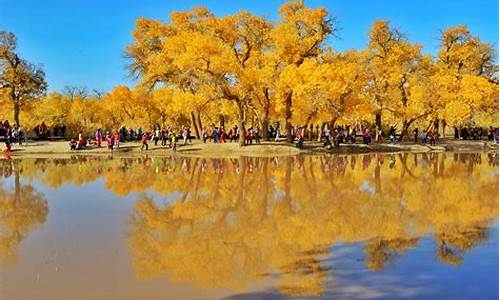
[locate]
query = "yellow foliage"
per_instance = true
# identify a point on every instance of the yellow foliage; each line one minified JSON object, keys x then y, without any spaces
{"x":198,"y":68}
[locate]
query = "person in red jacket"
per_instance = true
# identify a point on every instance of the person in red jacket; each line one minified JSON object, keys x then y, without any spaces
{"x":144,"y":140}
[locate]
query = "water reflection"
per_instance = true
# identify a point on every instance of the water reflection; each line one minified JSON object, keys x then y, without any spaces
{"x":235,"y":223}
{"x":21,"y":208}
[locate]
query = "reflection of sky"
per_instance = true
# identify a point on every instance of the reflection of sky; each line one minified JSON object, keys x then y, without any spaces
{"x":366,"y":187}
{"x":163,"y":200}
{"x":415,"y":275}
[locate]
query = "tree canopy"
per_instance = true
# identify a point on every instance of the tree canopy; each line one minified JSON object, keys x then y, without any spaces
{"x":197,"y":69}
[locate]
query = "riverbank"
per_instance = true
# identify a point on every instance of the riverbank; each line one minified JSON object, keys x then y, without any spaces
{"x":197,"y":148}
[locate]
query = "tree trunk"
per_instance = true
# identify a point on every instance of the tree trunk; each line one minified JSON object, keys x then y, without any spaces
{"x":241,"y":125}
{"x":333,"y":123}
{"x":265,"y":128}
{"x":378,"y":120}
{"x":428,"y":126}
{"x":198,"y":119}
{"x":196,"y":130}
{"x":443,"y":124}
{"x":16,"y":113}
{"x":320,"y":131}
{"x":221,"y":121}
{"x":265,"y":117}
{"x":162,"y":117}
{"x":288,"y":117}
{"x":404,"y":132}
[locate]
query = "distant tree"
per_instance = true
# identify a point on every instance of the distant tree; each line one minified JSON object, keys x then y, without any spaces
{"x":76,"y":92}
{"x":97,"y":93}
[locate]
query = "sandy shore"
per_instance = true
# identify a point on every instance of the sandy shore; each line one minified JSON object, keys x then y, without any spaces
{"x":197,"y":148}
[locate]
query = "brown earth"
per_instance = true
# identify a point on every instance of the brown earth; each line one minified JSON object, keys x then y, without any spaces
{"x":197,"y":148}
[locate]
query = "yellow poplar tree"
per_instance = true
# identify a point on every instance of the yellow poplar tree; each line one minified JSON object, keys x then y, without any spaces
{"x":21,"y":82}
{"x":299,"y":34}
{"x":467,"y":77}
{"x":197,"y":49}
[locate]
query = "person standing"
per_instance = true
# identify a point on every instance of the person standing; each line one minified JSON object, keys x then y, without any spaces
{"x":16,"y":134}
{"x":222,"y":135}
{"x":353,"y":135}
{"x":111,"y":141}
{"x":130,"y":135}
{"x":117,"y":139}
{"x":490,"y":134}
{"x":423,"y":137}
{"x":156,"y":135}
{"x":144,"y":140}
{"x":173,"y":140}
{"x":431,"y":137}
{"x":415,"y":134}
{"x":20,"y":135}
{"x":257,"y":135}
{"x":204,"y":134}
{"x":270,"y":132}
{"x":392,"y":135}
{"x":326,"y":134}
{"x":98,"y":137}
{"x":379,"y":135}
{"x":80,"y":137}
{"x":164,"y":137}
{"x":188,"y":129}
{"x":367,"y":137}
{"x":248,"y":136}
{"x":299,"y":138}
{"x":8,"y":135}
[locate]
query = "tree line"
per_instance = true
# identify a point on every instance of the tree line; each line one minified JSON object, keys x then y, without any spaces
{"x":200,"y":69}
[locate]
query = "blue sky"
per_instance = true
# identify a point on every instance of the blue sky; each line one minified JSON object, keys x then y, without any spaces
{"x":81,"y":42}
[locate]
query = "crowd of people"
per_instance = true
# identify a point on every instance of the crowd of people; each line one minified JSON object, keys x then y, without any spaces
{"x":14,"y":134}
{"x":167,"y":136}
{"x":475,"y":133}
{"x":170,"y":136}
{"x":11,"y":133}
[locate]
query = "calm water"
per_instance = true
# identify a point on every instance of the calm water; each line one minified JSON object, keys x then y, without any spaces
{"x":405,"y":226}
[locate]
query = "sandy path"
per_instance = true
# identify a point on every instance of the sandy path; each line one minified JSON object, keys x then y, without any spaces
{"x":197,"y":148}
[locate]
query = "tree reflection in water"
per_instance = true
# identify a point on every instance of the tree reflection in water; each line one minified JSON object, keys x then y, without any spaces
{"x":271,"y":216}
{"x":234,"y":223}
{"x":21,"y":208}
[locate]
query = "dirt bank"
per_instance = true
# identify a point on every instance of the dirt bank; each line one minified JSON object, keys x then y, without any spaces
{"x":61,"y":149}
